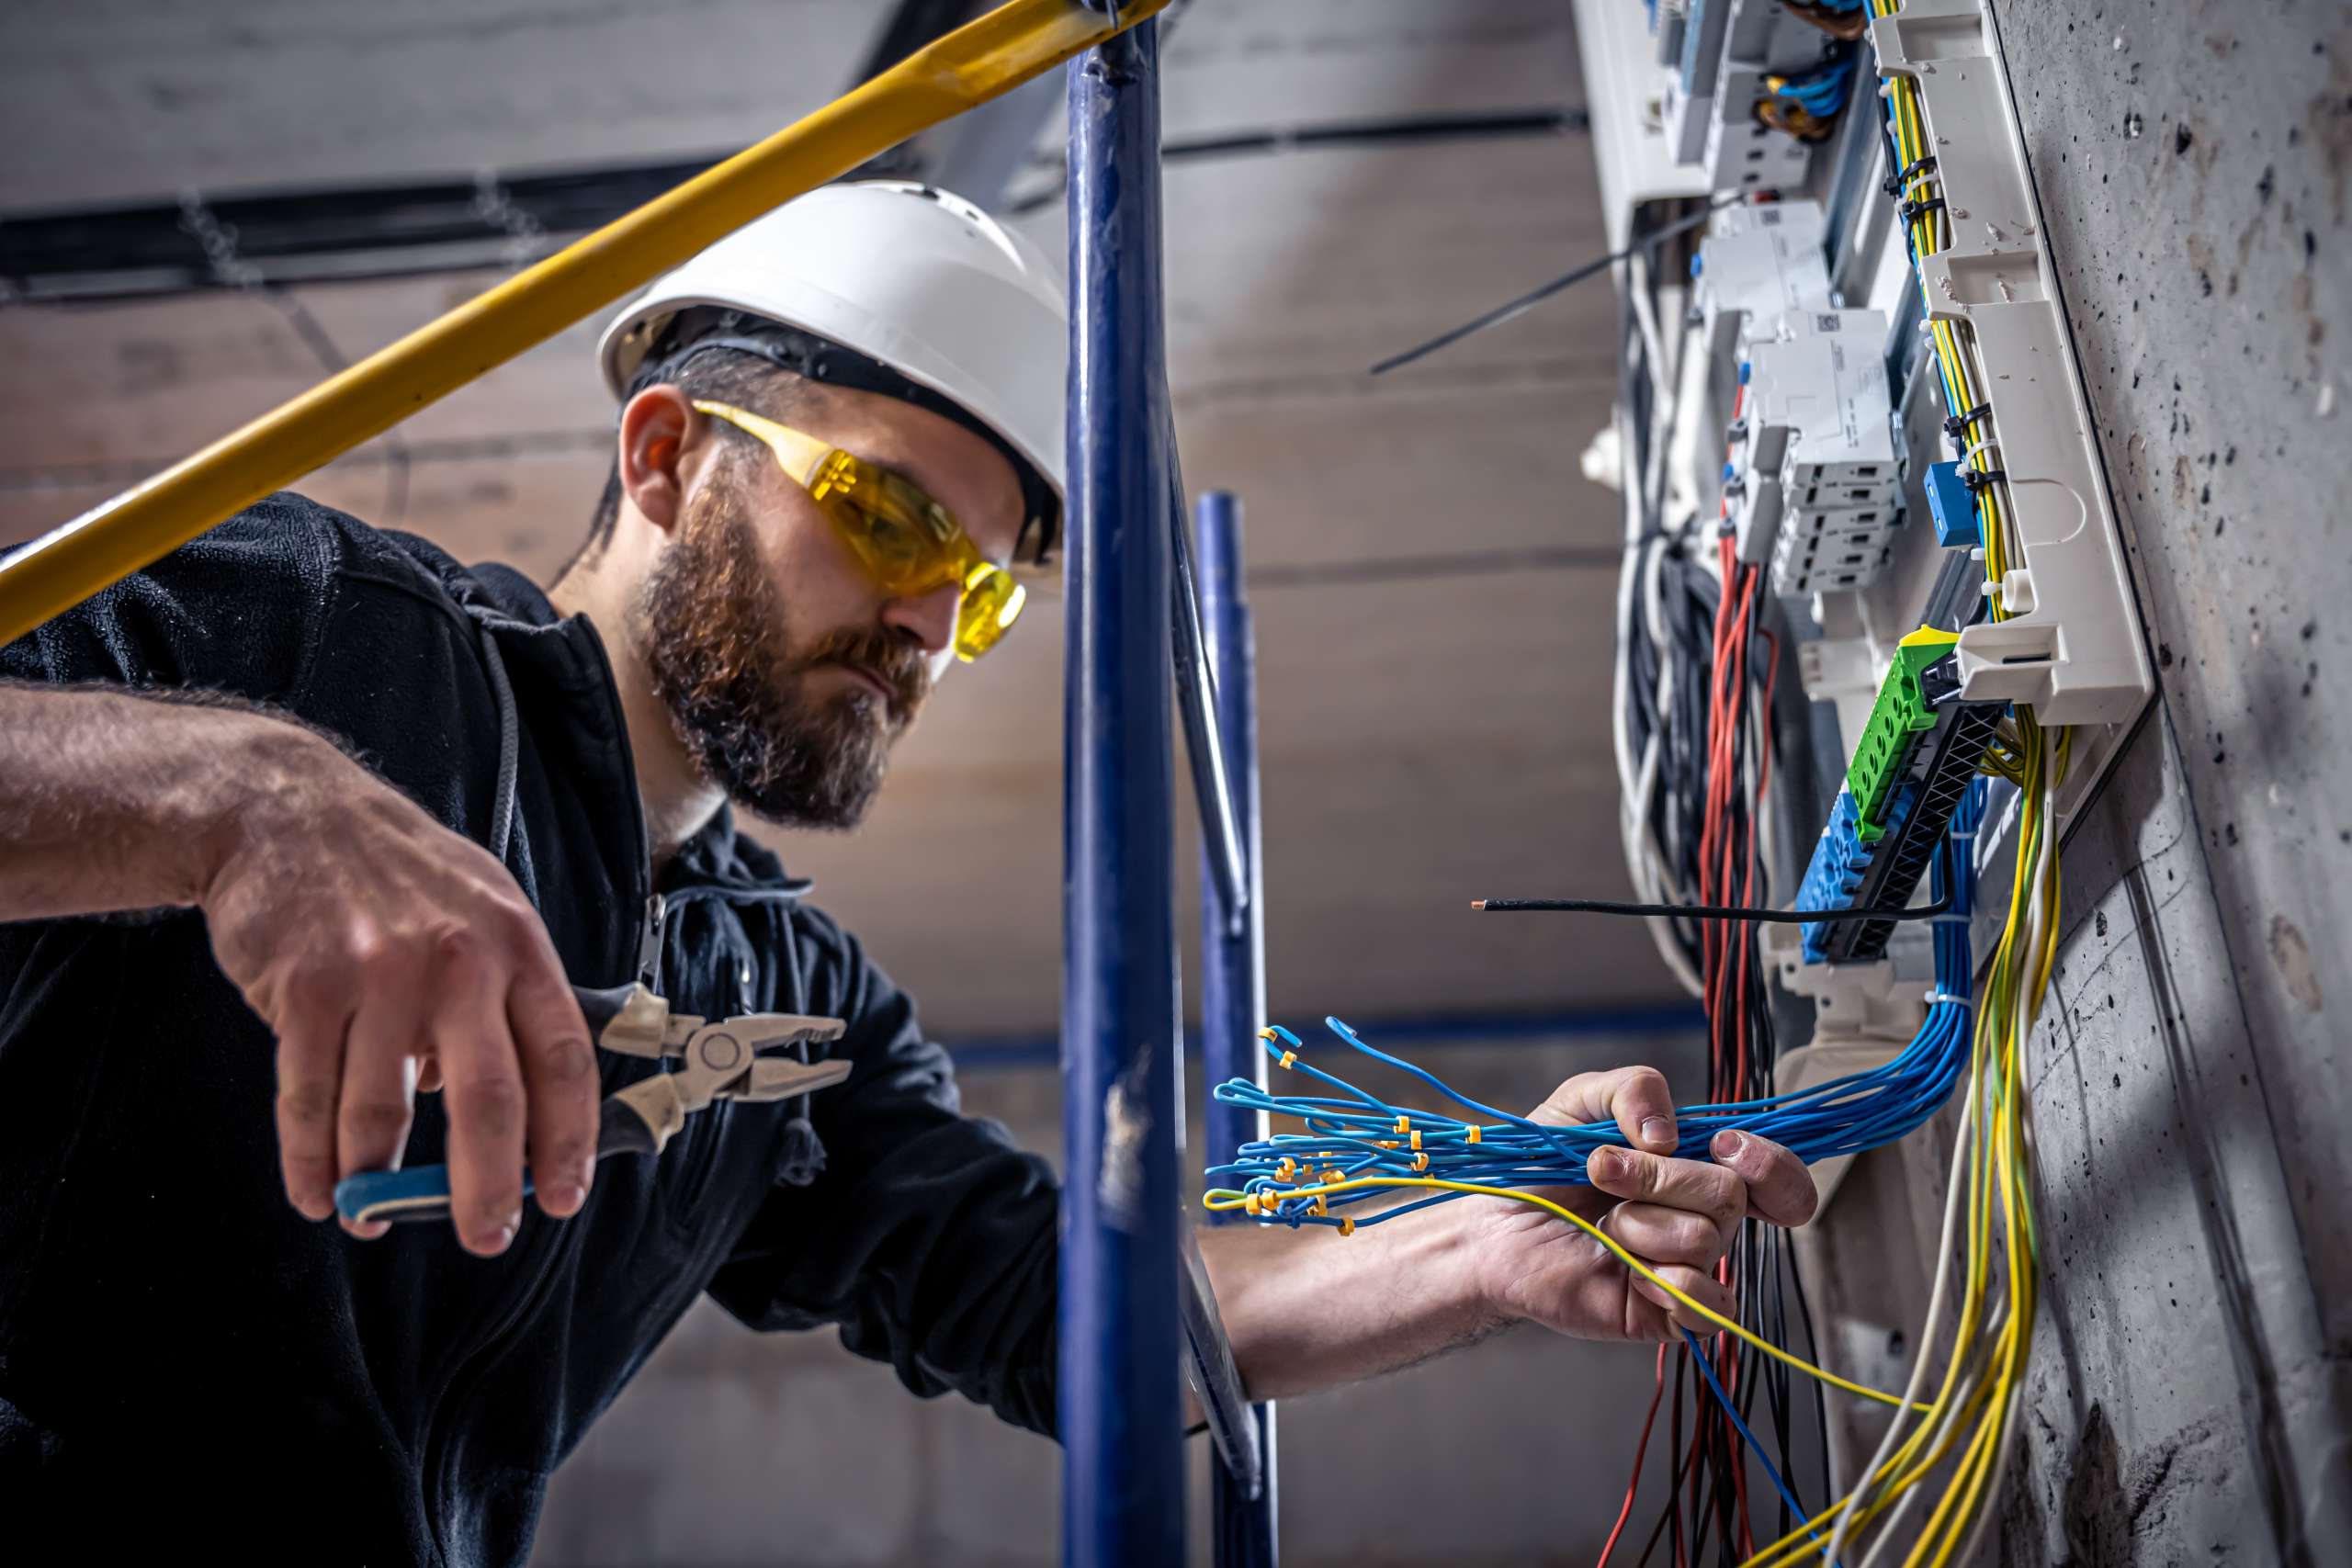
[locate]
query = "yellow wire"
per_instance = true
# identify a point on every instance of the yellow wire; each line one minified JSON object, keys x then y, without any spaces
{"x":1226,"y":1199}
{"x":1995,"y":1161}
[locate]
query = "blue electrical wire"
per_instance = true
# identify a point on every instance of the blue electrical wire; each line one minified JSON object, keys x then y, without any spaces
{"x":1351,"y":1134}
{"x":1823,"y":92}
{"x":1700,"y":1356}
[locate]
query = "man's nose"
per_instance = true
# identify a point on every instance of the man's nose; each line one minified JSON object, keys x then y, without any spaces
{"x":930,"y":618}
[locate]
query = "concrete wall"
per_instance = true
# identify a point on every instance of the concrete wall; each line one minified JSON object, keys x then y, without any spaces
{"x":733,"y":1447}
{"x":2188,"y":1399}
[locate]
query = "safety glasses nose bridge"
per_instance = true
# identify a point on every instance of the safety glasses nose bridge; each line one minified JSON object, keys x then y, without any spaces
{"x":907,"y":543}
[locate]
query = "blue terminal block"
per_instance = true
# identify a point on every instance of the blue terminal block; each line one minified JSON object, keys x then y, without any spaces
{"x":1840,"y":862}
{"x":1953,"y":506}
{"x":1835,"y":874}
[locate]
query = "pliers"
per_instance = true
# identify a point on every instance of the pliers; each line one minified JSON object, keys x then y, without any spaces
{"x":721,"y":1061}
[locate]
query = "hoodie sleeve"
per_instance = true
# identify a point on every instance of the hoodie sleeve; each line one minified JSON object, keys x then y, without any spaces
{"x":928,"y":1237}
{"x":239,"y":610}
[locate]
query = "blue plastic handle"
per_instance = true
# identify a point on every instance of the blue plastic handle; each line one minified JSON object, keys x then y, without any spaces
{"x":420,"y":1193}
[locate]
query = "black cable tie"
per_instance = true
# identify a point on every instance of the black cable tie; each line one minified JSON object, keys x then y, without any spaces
{"x":1911,"y":209}
{"x":1892,"y":185}
{"x":1976,"y":480}
{"x":1957,"y":423}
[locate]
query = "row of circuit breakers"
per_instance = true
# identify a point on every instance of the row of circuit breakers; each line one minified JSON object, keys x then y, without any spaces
{"x":1811,"y":479}
{"x":1750,"y":88}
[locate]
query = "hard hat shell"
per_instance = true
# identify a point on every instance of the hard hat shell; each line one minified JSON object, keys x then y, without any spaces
{"x":914,"y":279}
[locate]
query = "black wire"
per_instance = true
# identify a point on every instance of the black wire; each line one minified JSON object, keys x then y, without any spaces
{"x":1535,"y":296}
{"x":1813,"y":1354}
{"x":1708,"y":911}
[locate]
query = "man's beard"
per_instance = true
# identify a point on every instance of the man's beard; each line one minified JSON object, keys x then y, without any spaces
{"x":719,"y":648}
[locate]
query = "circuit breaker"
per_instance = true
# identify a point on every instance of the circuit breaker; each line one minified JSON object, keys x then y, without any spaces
{"x":1757,"y":264}
{"x":1728,"y":54}
{"x":1819,"y":433}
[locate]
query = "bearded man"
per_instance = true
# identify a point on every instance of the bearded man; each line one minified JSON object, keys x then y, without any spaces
{"x":311,"y":831}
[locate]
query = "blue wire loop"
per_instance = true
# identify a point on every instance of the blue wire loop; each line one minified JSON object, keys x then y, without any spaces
{"x":1362,"y":1136}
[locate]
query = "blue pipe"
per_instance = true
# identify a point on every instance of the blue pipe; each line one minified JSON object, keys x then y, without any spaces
{"x":1223,"y":859}
{"x":1233,"y":964}
{"x":1120,"y":1408}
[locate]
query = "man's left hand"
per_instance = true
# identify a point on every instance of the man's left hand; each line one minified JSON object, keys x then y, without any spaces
{"x":1678,"y":1216}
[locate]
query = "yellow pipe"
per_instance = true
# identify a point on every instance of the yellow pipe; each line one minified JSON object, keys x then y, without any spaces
{"x":976,"y":63}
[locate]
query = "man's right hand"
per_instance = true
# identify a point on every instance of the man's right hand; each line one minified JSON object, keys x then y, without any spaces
{"x":390,"y":954}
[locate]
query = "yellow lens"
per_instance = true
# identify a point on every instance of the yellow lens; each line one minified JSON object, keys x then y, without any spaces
{"x":886,"y":524}
{"x":992,"y":601}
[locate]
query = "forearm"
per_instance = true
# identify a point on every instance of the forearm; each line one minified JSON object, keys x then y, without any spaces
{"x":112,"y":801}
{"x":1309,"y":1309}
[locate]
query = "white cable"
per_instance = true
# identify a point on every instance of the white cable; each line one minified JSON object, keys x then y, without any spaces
{"x":1865,"y":1486}
{"x":2030,"y":929}
{"x":1964,"y":1390}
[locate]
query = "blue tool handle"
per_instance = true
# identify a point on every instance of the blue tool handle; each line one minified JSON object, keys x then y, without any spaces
{"x":422,"y":1192}
{"x":399,"y":1196}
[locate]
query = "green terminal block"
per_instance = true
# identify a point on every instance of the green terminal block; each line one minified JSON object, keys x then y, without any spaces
{"x":1897,"y":720}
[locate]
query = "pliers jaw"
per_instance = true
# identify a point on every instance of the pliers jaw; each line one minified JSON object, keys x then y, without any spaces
{"x":722,"y":1061}
{"x":717,"y":1061}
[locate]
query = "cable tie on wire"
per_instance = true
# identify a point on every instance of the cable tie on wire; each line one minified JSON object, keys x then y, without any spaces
{"x":1940,"y":996}
{"x":1960,"y":421}
{"x":1892,"y":185}
{"x":1288,"y":1057}
{"x":1976,"y":480}
{"x":1347,"y":1226}
{"x":1912,"y":209}
{"x":1475,"y":1136}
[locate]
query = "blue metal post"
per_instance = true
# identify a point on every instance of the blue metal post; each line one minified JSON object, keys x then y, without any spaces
{"x":1233,"y":999}
{"x":1122,"y":1480}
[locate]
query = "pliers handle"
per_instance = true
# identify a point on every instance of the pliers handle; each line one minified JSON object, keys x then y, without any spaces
{"x":720,"y":1061}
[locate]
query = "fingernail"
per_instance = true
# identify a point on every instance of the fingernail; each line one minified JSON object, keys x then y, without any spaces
{"x":1728,"y":1143}
{"x":1606,"y":1164}
{"x":1657,"y":1129}
{"x":370,"y":1230}
{"x":498,"y":1242}
{"x":565,"y":1200}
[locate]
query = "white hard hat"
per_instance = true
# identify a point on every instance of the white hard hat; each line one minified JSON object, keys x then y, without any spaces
{"x":915,"y":280}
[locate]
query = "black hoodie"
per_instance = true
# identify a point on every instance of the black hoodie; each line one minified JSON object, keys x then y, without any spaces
{"x":188,"y":1363}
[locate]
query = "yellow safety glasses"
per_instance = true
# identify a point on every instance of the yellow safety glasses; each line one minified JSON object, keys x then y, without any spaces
{"x":907,"y":543}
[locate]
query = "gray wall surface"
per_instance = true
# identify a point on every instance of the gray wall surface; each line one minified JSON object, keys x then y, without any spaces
{"x":2187,"y":1401}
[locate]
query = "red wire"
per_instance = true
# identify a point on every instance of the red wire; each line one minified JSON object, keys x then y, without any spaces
{"x":1656,"y":1392}
{"x":1726,"y":854}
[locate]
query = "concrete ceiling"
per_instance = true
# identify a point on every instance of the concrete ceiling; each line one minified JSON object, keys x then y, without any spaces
{"x":1434,"y":579}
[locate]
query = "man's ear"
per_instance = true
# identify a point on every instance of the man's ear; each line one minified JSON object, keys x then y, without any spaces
{"x":658,"y":431}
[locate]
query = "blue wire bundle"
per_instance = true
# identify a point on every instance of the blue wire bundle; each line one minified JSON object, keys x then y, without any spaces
{"x":1821,"y":92}
{"x":1361,"y":1136}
